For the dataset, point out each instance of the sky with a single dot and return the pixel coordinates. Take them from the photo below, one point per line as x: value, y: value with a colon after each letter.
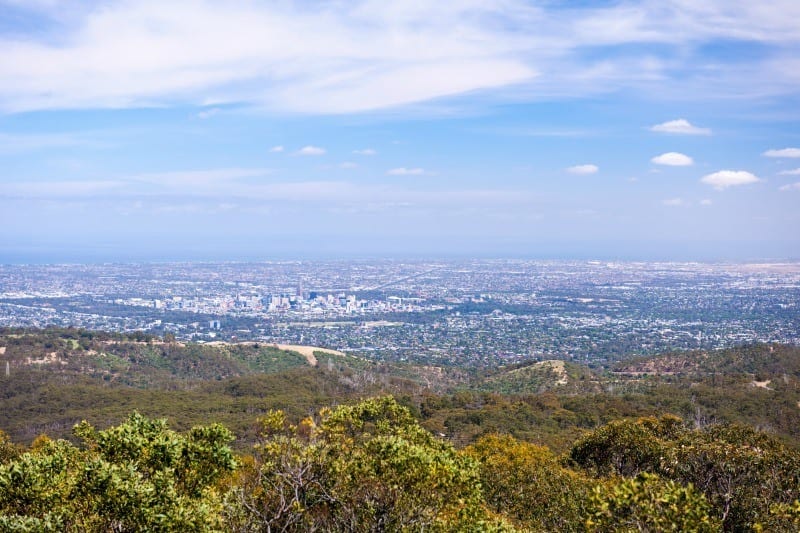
x: 142, y: 130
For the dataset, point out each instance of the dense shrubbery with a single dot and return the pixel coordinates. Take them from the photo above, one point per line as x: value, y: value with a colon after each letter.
x: 371, y: 467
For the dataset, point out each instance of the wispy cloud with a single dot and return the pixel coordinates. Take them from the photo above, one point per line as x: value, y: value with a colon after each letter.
x: 367, y: 55
x: 583, y: 169
x: 348, y: 165
x: 674, y: 159
x: 69, y: 189
x: 208, y: 113
x: 195, y: 178
x: 675, y: 202
x: 783, y: 152
x: 403, y: 171
x: 365, y: 151
x: 791, y: 187
x: 15, y: 143
x: 310, y: 151
x: 680, y: 126
x: 219, y: 191
x: 795, y: 172
x: 729, y: 178
x: 215, y: 183
x: 276, y: 149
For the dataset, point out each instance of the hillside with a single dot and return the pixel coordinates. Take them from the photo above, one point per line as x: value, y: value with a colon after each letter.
x: 56, y: 377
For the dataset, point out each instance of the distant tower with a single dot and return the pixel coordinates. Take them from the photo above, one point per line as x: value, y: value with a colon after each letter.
x: 300, y: 290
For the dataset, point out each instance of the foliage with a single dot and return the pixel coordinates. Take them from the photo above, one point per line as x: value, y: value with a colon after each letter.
x: 137, y: 476
x: 740, y: 470
x: 528, y: 484
x: 648, y: 503
x: 366, y: 467
x: 8, y: 450
x: 626, y: 447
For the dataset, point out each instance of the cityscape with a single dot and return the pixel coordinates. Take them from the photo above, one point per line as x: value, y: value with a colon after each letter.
x: 470, y: 313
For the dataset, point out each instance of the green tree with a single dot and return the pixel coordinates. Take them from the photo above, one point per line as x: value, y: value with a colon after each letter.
x: 365, y: 467
x: 743, y: 472
x: 626, y: 447
x: 528, y: 484
x: 8, y: 450
x: 649, y: 503
x: 138, y: 476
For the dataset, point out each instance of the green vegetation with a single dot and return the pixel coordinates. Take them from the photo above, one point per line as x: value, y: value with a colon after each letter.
x: 683, y: 442
x: 369, y: 466
x: 138, y: 476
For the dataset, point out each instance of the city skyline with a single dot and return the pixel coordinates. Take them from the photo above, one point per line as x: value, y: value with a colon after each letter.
x: 634, y: 130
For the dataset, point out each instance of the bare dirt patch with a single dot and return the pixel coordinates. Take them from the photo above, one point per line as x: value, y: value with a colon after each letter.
x: 557, y: 367
x: 307, y: 351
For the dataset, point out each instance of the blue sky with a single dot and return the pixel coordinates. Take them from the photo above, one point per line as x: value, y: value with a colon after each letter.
x: 144, y: 130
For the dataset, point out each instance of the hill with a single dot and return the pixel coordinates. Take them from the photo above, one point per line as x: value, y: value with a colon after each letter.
x: 57, y: 377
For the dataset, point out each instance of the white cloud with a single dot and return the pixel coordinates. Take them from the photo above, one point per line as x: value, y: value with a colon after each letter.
x: 354, y: 56
x: 674, y: 159
x: 795, y: 172
x: 583, y: 169
x: 208, y: 113
x: 368, y: 54
x: 348, y: 164
x: 675, y: 202
x: 403, y: 171
x: 783, y: 152
x: 791, y: 187
x: 729, y: 178
x: 680, y: 126
x: 310, y: 150
x: 365, y: 151
x: 706, y: 201
x: 276, y: 149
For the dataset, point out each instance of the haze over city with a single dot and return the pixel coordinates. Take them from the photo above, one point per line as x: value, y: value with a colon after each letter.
x: 152, y: 131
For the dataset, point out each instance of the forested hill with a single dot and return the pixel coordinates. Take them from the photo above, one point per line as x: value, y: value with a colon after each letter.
x: 51, y: 379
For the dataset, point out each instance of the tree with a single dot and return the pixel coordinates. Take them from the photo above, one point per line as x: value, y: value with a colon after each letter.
x: 742, y: 472
x: 528, y: 484
x: 649, y: 503
x: 365, y: 467
x: 626, y: 447
x: 133, y: 477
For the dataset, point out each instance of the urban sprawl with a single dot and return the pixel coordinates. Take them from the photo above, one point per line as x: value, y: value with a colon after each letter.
x: 478, y: 313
